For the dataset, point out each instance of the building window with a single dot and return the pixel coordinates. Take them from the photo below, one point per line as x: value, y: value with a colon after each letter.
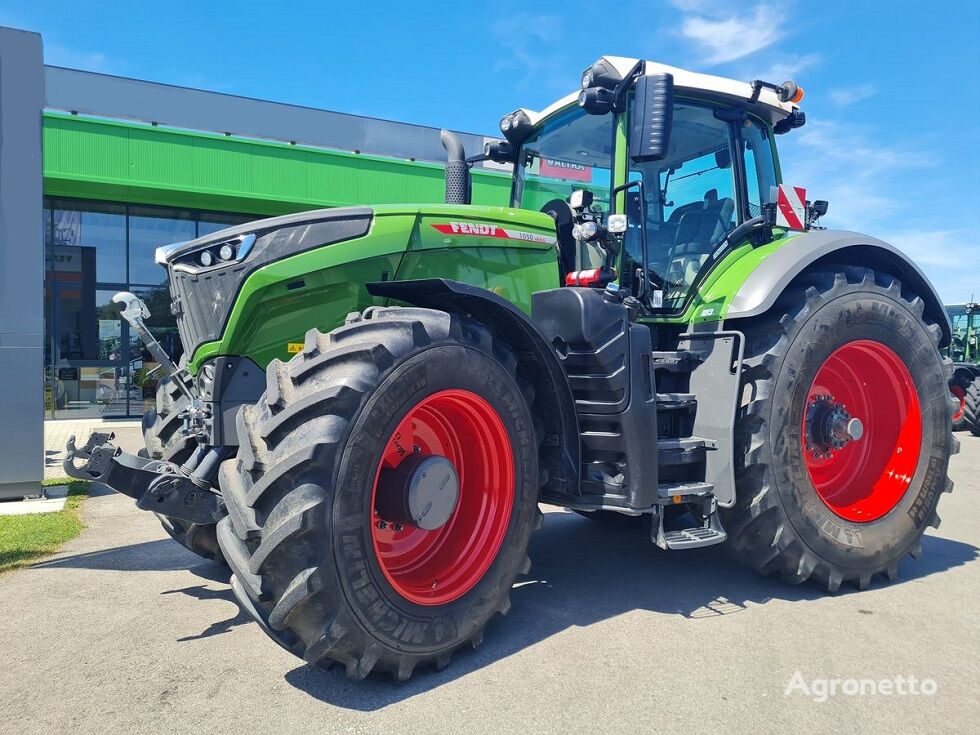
x: 100, y: 228
x: 94, y: 366
x: 148, y: 230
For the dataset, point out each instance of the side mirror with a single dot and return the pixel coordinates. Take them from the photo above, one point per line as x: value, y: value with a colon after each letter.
x: 653, y: 111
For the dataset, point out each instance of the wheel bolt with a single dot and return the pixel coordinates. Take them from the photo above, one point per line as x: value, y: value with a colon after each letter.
x: 382, y: 525
x: 398, y: 527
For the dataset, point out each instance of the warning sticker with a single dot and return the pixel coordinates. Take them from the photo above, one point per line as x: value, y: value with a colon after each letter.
x: 790, y: 207
x: 294, y: 347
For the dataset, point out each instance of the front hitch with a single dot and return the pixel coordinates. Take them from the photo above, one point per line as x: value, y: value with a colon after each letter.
x: 156, y: 485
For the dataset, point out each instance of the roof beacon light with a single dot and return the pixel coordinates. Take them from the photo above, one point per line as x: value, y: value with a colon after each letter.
x: 790, y: 91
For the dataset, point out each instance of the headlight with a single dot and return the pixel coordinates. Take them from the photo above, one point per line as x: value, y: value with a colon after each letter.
x: 213, y: 255
x: 617, y: 223
x: 516, y: 126
x: 585, y: 231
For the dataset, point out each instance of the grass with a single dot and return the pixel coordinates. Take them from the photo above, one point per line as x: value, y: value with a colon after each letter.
x: 25, y: 539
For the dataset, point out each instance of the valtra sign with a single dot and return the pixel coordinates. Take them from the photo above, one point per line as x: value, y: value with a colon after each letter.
x: 554, y: 168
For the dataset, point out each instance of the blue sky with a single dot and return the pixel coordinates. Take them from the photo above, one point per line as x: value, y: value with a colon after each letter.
x: 893, y: 89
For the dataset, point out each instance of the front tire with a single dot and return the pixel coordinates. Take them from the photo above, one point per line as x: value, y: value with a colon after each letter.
x: 164, y: 440
x: 315, y: 558
x: 838, y: 345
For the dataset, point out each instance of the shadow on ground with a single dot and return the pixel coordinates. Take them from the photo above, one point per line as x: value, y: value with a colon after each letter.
x: 584, y: 572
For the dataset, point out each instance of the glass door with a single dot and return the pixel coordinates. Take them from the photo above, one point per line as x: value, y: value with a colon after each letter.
x: 90, y: 371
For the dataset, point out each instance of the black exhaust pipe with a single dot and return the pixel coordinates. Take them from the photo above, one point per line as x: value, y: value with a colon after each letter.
x: 457, y: 169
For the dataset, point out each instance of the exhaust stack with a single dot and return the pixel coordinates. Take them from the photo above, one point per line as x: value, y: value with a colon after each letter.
x: 457, y: 169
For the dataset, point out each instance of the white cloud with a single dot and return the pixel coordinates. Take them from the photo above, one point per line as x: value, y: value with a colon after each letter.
x: 865, y: 181
x: 947, y: 257
x: 58, y: 55
x: 788, y: 67
x: 531, y: 47
x: 888, y: 191
x: 732, y: 37
x: 705, y: 7
x: 844, y: 96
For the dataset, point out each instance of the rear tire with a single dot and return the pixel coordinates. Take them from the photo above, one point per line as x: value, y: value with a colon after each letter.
x: 781, y: 523
x: 304, y: 537
x: 971, y: 408
x: 164, y: 440
x: 957, y: 393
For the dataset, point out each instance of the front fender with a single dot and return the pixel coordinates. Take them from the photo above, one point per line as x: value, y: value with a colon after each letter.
x: 554, y: 404
x: 770, y: 278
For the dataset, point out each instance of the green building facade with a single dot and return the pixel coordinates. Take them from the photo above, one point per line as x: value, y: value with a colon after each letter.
x: 115, y: 189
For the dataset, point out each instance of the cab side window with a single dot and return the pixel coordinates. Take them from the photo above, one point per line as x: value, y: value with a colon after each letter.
x: 760, y: 172
x: 691, y: 200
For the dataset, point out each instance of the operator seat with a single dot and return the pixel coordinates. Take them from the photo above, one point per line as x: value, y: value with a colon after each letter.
x: 698, y: 233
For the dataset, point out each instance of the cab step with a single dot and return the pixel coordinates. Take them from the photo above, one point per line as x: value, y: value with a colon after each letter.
x: 682, y: 450
x: 675, y: 401
x: 669, y: 490
x: 693, y: 537
x: 676, y: 361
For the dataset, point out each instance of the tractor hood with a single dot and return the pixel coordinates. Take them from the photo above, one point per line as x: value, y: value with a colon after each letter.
x: 204, y: 283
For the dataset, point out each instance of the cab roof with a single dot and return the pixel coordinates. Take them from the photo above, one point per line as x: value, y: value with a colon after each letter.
x: 727, y: 90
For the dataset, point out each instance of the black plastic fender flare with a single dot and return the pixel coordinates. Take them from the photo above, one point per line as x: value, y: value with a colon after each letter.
x: 763, y: 286
x: 554, y: 403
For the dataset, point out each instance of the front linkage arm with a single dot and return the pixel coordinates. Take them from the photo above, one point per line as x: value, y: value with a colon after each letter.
x: 159, y: 486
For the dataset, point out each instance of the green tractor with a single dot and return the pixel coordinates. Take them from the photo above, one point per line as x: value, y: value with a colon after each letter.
x: 374, y: 400
x: 964, y: 386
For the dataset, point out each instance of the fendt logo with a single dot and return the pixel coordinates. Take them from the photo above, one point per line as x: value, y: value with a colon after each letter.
x: 472, y: 228
x: 479, y: 229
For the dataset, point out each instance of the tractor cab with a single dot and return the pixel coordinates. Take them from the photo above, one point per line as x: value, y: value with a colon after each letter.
x: 688, y: 158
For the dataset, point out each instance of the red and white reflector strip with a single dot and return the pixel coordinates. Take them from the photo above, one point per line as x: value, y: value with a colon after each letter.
x: 790, y: 207
x: 591, y: 277
x: 482, y: 229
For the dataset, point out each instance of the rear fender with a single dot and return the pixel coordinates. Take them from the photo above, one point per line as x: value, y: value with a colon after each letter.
x: 770, y: 278
x: 537, y: 360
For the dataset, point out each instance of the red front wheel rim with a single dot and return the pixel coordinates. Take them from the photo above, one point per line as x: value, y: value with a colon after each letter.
x: 865, y: 478
x: 438, y: 566
x: 960, y: 395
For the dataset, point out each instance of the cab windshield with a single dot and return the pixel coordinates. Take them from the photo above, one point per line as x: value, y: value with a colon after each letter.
x: 694, y: 197
x: 570, y: 150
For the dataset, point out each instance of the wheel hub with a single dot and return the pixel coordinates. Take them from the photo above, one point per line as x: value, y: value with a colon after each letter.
x: 829, y: 426
x: 443, y: 496
x: 862, y: 467
x: 421, y: 492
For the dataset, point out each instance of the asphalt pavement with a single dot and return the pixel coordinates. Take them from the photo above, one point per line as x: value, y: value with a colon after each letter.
x: 127, y: 632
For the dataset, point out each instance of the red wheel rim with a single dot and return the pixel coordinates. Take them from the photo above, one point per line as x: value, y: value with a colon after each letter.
x: 438, y: 566
x: 960, y: 395
x: 866, y: 477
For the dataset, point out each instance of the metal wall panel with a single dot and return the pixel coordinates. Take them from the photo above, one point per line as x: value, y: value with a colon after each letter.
x: 194, y: 109
x: 21, y: 264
